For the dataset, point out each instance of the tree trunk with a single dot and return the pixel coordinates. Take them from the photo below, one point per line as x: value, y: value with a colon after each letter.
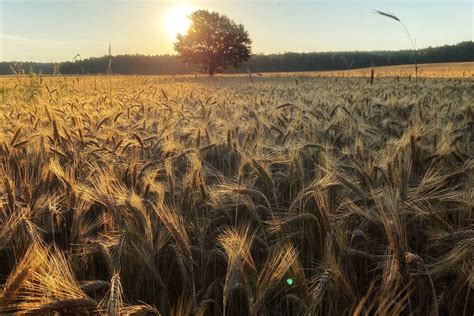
x: 211, y: 70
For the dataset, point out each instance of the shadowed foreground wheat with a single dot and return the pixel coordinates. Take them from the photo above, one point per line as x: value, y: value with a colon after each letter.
x: 288, y: 195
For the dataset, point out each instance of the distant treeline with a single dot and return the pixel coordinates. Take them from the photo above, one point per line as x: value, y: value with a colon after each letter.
x: 168, y: 64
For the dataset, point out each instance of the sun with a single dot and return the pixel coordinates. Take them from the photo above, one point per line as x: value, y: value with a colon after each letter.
x: 177, y: 21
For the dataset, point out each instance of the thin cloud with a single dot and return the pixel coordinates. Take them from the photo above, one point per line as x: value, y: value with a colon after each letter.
x: 16, y: 38
x: 43, y: 41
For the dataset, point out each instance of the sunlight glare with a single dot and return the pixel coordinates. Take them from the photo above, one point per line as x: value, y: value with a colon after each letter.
x: 177, y: 21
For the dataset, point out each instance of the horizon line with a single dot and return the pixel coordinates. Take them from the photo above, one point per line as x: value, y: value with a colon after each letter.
x: 253, y: 54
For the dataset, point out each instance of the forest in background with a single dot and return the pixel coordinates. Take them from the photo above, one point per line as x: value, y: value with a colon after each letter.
x: 284, y: 62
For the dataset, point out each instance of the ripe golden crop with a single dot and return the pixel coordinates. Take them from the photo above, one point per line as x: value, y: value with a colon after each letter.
x: 288, y: 194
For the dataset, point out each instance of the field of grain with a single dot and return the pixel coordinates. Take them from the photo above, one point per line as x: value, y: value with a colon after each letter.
x: 211, y: 196
x: 438, y: 70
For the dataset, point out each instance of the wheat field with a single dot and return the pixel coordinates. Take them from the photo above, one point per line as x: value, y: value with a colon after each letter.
x: 285, y: 195
x: 437, y: 70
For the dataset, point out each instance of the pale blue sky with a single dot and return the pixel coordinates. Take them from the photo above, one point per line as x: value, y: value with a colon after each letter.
x: 57, y: 30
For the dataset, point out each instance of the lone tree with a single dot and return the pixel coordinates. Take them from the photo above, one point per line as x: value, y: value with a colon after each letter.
x: 213, y: 41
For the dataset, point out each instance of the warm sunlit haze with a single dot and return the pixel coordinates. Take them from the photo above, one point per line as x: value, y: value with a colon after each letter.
x: 57, y: 30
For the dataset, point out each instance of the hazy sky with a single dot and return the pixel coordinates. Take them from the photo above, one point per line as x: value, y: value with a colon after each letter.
x: 57, y: 30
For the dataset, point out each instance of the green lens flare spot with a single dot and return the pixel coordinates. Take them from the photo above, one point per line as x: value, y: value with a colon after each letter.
x: 289, y: 281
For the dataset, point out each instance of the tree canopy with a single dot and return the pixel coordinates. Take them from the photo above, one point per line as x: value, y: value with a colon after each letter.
x: 213, y: 42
